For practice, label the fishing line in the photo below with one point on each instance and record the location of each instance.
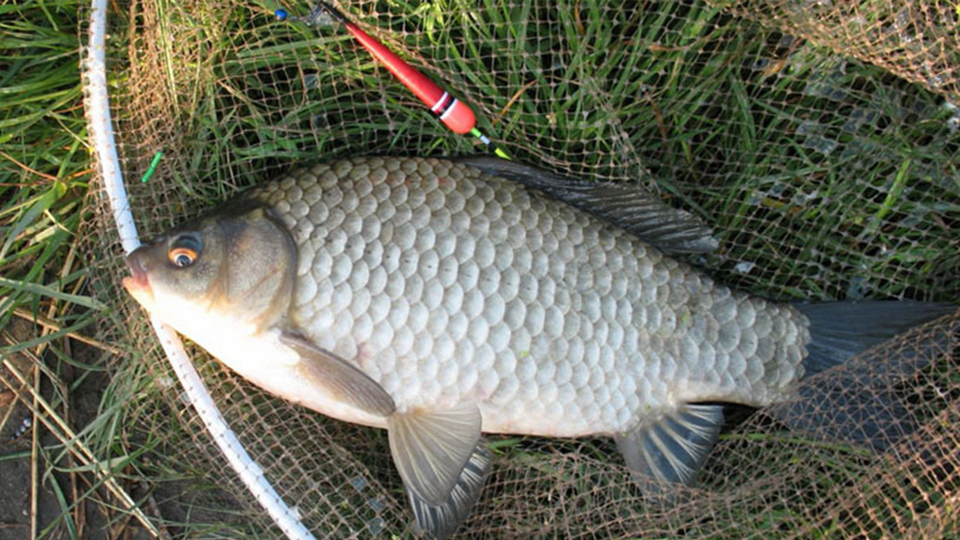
(452, 112)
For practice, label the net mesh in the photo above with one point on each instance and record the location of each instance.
(820, 140)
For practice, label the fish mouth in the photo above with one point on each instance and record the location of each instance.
(137, 283)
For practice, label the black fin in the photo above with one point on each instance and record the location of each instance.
(839, 330)
(858, 406)
(673, 447)
(440, 521)
(666, 228)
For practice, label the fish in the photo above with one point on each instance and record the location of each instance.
(441, 299)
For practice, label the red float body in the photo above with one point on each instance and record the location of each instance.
(455, 114)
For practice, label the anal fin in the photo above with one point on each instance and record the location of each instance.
(673, 447)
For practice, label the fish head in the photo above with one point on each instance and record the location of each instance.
(233, 268)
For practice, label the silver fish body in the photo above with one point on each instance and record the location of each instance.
(445, 284)
(441, 299)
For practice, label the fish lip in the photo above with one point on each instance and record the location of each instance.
(137, 283)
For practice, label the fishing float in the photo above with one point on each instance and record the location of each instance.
(453, 113)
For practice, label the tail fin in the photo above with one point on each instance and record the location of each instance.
(840, 330)
(859, 406)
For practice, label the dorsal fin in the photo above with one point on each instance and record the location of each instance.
(666, 228)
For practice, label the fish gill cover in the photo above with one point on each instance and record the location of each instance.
(820, 140)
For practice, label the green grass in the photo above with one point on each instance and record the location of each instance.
(44, 175)
(46, 211)
(832, 178)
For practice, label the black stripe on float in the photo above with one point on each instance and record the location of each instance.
(446, 107)
(436, 106)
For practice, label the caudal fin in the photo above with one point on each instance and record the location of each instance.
(859, 405)
(839, 330)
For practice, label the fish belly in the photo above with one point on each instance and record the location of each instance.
(444, 285)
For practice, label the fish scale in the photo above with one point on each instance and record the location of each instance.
(444, 285)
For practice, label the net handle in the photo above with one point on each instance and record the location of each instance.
(99, 126)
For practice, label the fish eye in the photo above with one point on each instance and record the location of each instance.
(182, 257)
(185, 250)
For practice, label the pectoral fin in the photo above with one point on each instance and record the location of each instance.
(673, 447)
(342, 379)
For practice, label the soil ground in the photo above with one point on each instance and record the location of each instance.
(90, 521)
